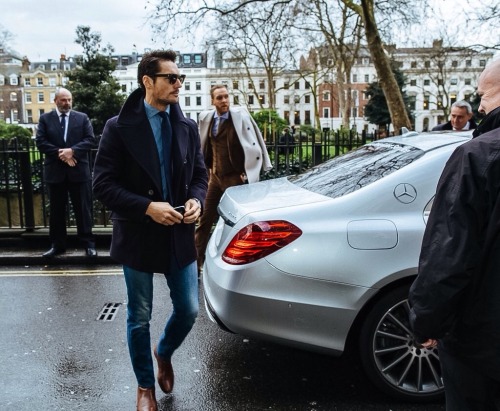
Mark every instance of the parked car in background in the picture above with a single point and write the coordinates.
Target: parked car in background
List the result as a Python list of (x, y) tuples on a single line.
[(324, 260)]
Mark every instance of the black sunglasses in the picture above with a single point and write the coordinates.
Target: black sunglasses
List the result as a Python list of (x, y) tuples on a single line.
[(172, 78)]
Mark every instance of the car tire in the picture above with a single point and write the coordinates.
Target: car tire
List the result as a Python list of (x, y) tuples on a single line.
[(389, 355)]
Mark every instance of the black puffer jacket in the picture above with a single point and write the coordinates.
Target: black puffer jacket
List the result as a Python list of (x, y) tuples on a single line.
[(456, 296)]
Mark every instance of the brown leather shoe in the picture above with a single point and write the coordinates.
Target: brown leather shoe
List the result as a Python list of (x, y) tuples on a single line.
[(146, 400), (165, 374)]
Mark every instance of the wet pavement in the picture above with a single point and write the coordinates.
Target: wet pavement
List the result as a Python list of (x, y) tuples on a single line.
[(58, 353)]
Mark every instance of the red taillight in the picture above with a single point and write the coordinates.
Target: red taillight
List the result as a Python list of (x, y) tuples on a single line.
[(258, 240)]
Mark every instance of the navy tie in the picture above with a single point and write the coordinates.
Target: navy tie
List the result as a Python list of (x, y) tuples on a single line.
[(166, 139), (63, 122)]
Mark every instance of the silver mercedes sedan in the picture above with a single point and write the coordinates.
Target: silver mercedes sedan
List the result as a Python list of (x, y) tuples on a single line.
[(324, 260)]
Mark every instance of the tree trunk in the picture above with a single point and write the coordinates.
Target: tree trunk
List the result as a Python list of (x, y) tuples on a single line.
[(382, 64)]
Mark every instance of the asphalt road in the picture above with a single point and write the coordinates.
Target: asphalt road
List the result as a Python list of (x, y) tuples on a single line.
[(55, 354)]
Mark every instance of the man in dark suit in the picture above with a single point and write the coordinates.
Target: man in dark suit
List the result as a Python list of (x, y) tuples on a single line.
[(460, 118), (148, 164), (65, 137)]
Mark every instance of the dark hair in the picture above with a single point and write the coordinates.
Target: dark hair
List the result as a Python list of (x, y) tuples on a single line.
[(150, 62)]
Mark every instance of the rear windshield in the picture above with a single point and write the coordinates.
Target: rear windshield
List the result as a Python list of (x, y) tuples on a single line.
[(356, 169)]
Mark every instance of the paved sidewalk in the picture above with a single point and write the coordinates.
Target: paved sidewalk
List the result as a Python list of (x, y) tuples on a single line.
[(18, 247)]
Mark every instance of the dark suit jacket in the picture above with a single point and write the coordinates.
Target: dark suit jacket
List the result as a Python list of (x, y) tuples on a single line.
[(127, 179), (448, 126), (50, 138)]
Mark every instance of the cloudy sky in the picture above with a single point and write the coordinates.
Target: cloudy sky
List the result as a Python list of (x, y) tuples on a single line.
[(46, 29)]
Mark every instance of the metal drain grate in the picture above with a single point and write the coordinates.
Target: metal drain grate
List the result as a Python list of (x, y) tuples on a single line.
[(108, 312)]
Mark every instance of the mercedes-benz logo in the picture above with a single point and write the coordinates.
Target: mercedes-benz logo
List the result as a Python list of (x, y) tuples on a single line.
[(405, 193)]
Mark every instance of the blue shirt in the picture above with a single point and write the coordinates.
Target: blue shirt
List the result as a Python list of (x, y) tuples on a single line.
[(155, 121)]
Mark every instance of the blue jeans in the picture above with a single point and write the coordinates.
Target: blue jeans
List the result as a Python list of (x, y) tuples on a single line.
[(183, 285)]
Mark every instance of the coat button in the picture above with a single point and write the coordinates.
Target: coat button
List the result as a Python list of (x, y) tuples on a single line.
[(151, 192), (258, 158)]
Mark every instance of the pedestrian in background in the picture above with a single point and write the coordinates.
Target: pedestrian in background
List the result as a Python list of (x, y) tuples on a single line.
[(234, 152), (65, 137), (455, 300), (149, 171), (460, 118)]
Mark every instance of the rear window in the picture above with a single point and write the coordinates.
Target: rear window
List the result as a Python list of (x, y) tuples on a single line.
[(356, 169)]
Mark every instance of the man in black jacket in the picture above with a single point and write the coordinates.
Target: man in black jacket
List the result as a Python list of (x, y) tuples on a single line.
[(460, 118), (150, 172), (455, 300)]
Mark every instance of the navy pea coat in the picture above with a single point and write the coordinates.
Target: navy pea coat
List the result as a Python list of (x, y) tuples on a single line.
[(127, 179)]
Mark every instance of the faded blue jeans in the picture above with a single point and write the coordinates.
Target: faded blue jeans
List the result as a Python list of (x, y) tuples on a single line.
[(183, 285)]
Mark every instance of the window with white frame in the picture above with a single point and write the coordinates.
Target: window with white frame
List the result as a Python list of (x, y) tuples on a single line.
[(52, 82), (41, 97), (13, 96), (13, 80), (27, 82), (28, 97), (39, 81)]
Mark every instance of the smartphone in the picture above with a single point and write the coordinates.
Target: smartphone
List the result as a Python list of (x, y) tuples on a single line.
[(180, 209)]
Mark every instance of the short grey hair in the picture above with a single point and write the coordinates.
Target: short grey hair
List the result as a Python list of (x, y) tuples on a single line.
[(463, 104)]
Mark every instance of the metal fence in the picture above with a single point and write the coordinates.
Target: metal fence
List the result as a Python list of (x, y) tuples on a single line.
[(23, 195)]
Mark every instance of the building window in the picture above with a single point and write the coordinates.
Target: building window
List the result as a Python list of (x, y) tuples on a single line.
[(467, 81), (27, 82), (236, 100), (262, 99), (412, 100), (286, 116), (2, 115), (40, 112), (187, 101), (413, 82), (427, 64), (440, 82), (39, 81), (41, 98), (297, 85), (307, 117), (250, 85), (286, 99), (52, 82), (187, 86), (2, 80), (308, 85), (326, 96), (250, 100), (454, 81), (482, 63), (65, 80), (236, 85), (426, 102), (354, 112), (198, 101), (468, 63), (53, 67), (367, 78), (307, 99), (286, 86), (29, 116), (13, 96), (67, 67), (427, 82), (15, 116), (198, 85), (28, 97), (262, 85), (326, 112), (186, 59), (454, 63), (13, 80), (413, 64), (197, 59), (453, 98), (354, 78)]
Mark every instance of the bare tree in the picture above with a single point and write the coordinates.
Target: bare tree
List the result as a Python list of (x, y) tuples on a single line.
[(6, 38)]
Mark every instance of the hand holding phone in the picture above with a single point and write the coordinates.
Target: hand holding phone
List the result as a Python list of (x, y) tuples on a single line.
[(180, 209)]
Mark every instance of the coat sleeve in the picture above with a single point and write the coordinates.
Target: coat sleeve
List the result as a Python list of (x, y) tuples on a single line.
[(451, 247)]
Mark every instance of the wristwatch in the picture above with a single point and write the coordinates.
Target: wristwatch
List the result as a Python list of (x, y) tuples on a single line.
[(198, 201)]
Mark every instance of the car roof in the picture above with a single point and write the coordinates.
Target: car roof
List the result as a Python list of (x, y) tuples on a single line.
[(429, 141)]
